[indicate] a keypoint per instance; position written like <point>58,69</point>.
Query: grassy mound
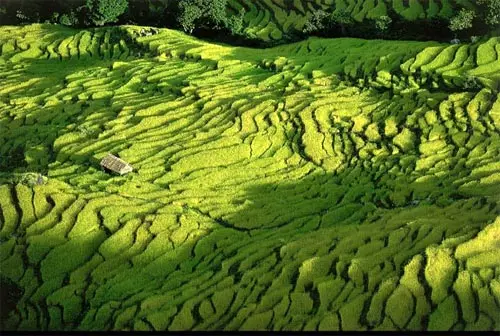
<point>324,185</point>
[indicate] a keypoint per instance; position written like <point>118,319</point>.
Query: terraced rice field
<point>271,19</point>
<point>324,185</point>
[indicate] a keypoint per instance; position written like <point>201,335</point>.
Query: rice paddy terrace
<point>323,185</point>
<point>272,19</point>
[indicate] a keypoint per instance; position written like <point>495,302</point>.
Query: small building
<point>40,180</point>
<point>115,164</point>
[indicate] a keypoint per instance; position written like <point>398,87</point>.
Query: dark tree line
<point>188,15</point>
<point>482,19</point>
<point>76,13</point>
<point>214,19</point>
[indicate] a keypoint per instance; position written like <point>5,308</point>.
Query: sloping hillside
<point>324,185</point>
<point>270,19</point>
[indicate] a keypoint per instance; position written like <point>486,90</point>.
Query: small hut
<point>115,164</point>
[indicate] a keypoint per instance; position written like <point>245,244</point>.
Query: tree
<point>342,18</point>
<point>382,23</point>
<point>315,22</point>
<point>216,12</point>
<point>235,22</point>
<point>492,10</point>
<point>104,11</point>
<point>190,13</point>
<point>70,19</point>
<point>209,14</point>
<point>463,20</point>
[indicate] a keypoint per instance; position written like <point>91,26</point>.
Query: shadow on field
<point>175,282</point>
<point>32,123</point>
<point>10,293</point>
<point>48,109</point>
<point>351,195</point>
<point>33,120</point>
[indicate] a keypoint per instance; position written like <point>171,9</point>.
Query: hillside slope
<point>270,19</point>
<point>324,185</point>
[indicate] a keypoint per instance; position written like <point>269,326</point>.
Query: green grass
<point>319,185</point>
<point>414,11</point>
<point>270,20</point>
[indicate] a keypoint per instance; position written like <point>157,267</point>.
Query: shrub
<point>144,13</point>
<point>405,140</point>
<point>190,13</point>
<point>350,312</point>
<point>183,320</point>
<point>463,288</point>
<point>439,272</point>
<point>54,18</point>
<point>22,17</point>
<point>194,12</point>
<point>67,19</point>
<point>463,20</point>
<point>342,18</point>
<point>103,11</point>
<point>492,10</point>
<point>400,306</point>
<point>235,22</point>
<point>315,22</point>
<point>445,315</point>
<point>472,83</point>
<point>208,15</point>
<point>383,23</point>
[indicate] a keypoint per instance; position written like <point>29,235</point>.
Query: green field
<point>330,184</point>
<point>270,19</point>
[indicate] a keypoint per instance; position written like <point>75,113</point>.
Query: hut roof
<point>116,164</point>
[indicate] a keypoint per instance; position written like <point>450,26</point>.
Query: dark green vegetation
<point>463,20</point>
<point>331,184</point>
<point>104,11</point>
<point>272,22</point>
